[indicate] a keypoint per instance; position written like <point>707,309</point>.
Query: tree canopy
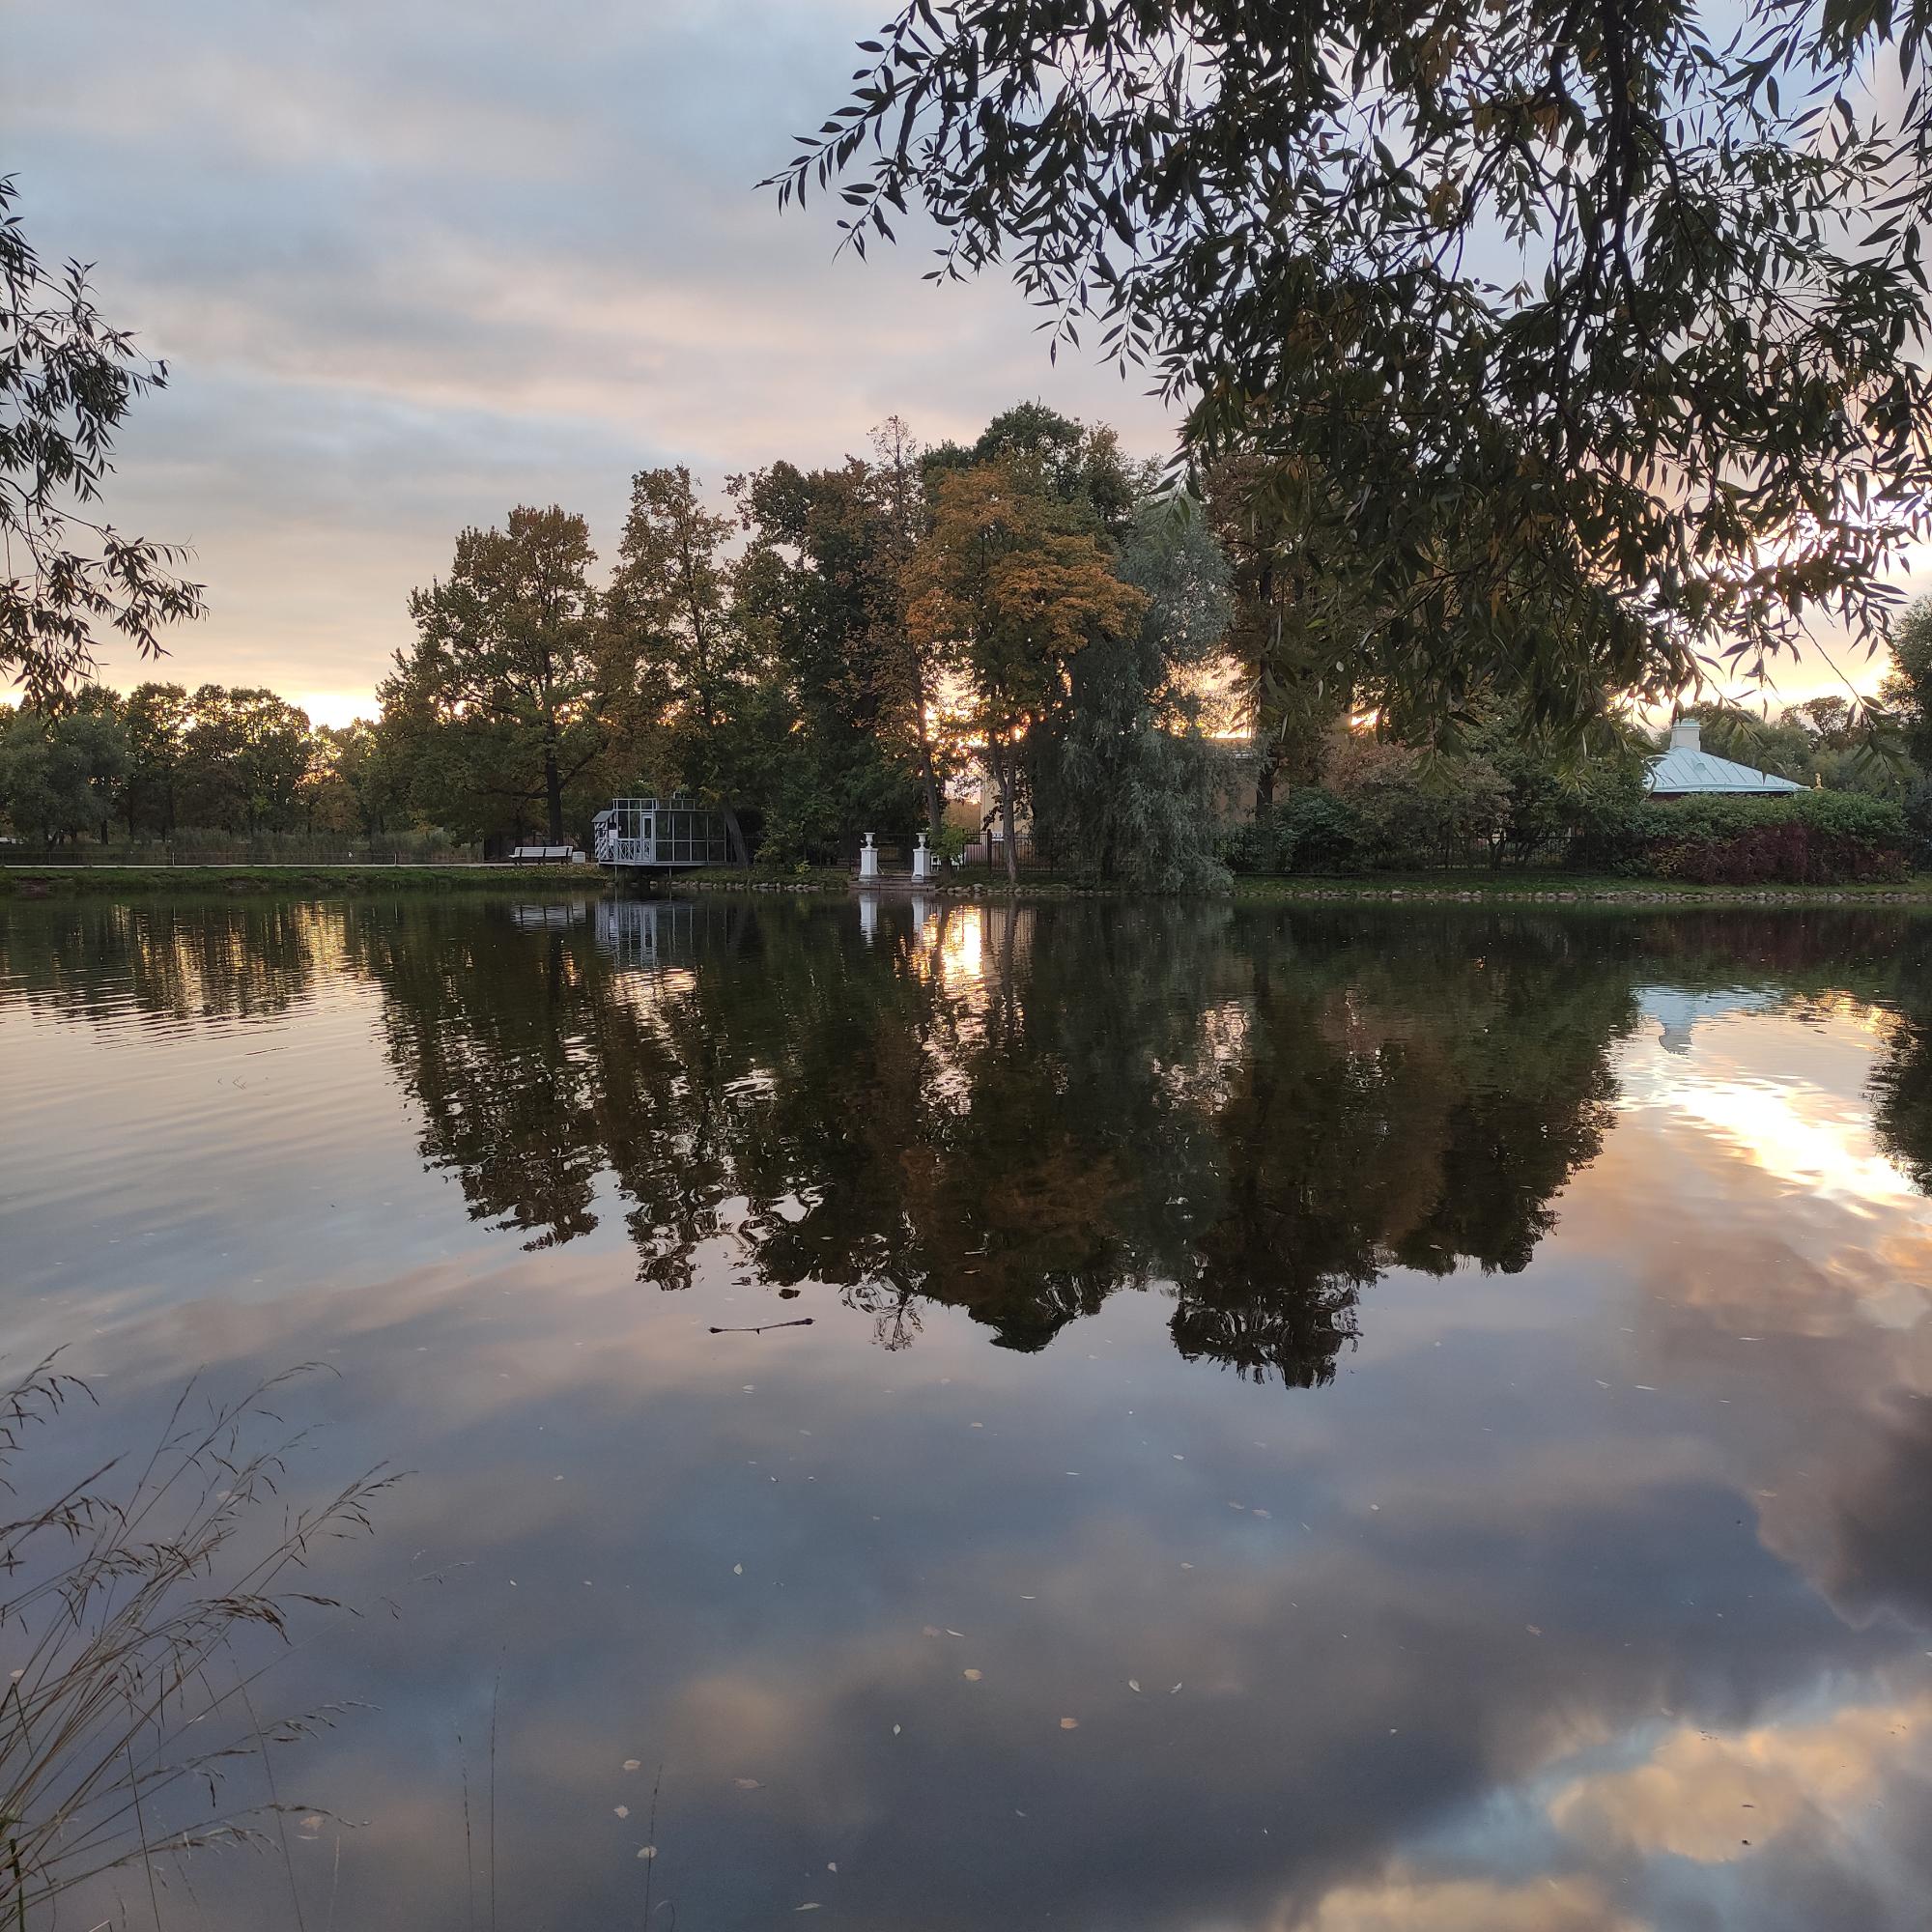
<point>504,655</point>
<point>1582,344</point>
<point>1011,574</point>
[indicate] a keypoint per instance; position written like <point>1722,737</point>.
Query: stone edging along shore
<point>1284,892</point>
<point>49,881</point>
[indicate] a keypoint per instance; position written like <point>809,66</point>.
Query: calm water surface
<point>1310,1423</point>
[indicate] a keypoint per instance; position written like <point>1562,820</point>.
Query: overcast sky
<point>412,264</point>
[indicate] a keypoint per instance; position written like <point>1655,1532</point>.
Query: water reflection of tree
<point>1018,1110</point>
<point>185,962</point>
<point>1902,1081</point>
<point>1014,1110</point>
<point>1409,1095</point>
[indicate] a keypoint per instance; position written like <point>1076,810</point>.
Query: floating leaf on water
<point>633,1764</point>
<point>746,1783</point>
<point>1175,1691</point>
<point>623,1810</point>
<point>812,1905</point>
<point>647,1851</point>
<point>928,1630</point>
<point>1134,1684</point>
<point>954,1633</point>
<point>737,1569</point>
<point>832,1868</point>
<point>896,1730</point>
<point>1069,1724</point>
<point>1532,1629</point>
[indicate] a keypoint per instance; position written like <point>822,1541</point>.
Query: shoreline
<point>43,882</point>
<point>34,882</point>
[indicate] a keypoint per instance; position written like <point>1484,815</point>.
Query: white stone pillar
<point>922,860</point>
<point>868,859</point>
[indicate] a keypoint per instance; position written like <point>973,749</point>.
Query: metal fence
<point>990,854</point>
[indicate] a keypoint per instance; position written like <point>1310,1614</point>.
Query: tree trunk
<point>1003,771</point>
<point>553,794</point>
<point>928,776</point>
<point>734,838</point>
<point>935,806</point>
<point>1270,757</point>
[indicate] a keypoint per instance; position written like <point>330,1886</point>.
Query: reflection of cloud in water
<point>1427,1619</point>
<point>1817,1142</point>
<point>1844,1235</point>
<point>1713,1796</point>
<point>1404,1903</point>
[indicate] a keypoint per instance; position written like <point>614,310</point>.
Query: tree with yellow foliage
<point>1011,584</point>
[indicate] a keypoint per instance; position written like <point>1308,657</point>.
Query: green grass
<point>47,881</point>
<point>1481,883</point>
<point>312,881</point>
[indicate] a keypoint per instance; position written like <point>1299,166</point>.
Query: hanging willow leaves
<point>1580,343</point>
<point>67,382</point>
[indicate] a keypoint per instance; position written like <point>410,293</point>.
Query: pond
<point>1310,1420</point>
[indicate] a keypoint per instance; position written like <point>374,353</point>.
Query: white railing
<point>613,850</point>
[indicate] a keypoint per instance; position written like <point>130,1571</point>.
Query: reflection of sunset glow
<point>1705,1796</point>
<point>1795,1135</point>
<point>949,945</point>
<point>959,938</point>
<point>644,992</point>
<point>1402,1904</point>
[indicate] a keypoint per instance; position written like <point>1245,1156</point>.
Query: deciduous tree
<point>673,626</point>
<point>59,771</point>
<point>1621,307</point>
<point>68,379</point>
<point>1013,578</point>
<point>1123,777</point>
<point>506,655</point>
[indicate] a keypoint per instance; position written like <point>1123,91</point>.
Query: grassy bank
<point>119,881</point>
<point>1559,887</point>
<point>1448,887</point>
<point>314,881</point>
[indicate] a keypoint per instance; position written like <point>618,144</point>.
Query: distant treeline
<point>165,761</point>
<point>1500,795</point>
<point>1031,621</point>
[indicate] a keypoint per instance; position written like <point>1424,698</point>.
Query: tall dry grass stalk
<point>127,1605</point>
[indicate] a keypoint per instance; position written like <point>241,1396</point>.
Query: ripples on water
<point>1439,1398</point>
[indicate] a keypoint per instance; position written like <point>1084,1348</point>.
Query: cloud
<point>1716,1797</point>
<point>1410,1904</point>
<point>413,265</point>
